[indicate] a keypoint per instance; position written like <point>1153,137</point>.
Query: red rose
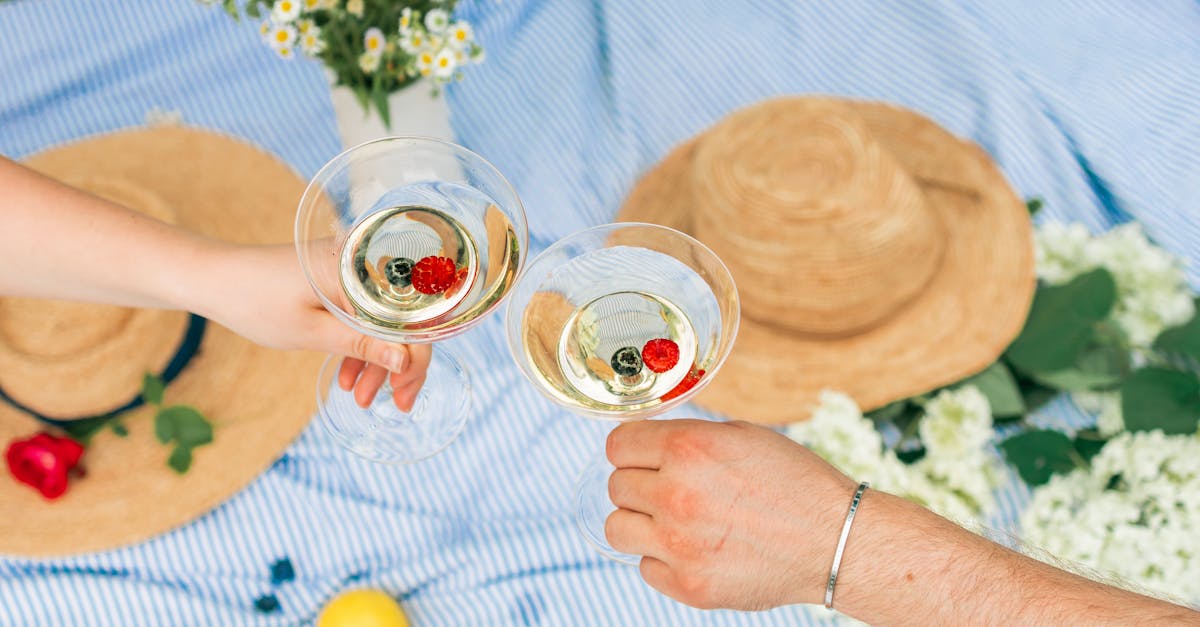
<point>44,461</point>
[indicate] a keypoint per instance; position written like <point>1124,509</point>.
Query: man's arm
<point>738,516</point>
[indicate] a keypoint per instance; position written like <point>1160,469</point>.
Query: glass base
<point>592,508</point>
<point>385,434</point>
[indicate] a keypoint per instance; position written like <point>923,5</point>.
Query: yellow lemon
<point>362,608</point>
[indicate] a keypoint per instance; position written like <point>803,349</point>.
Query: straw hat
<point>70,360</point>
<point>875,253</point>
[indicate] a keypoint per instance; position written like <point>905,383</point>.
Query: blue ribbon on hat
<point>188,347</point>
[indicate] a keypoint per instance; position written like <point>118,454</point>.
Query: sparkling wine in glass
<point>620,322</point>
<point>409,240</point>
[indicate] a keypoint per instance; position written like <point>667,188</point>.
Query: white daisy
<point>311,42</point>
<point>444,64</point>
<point>406,20</point>
<point>285,52</point>
<point>425,62</point>
<point>354,7</point>
<point>281,36</point>
<point>305,25</point>
<point>460,35</point>
<point>413,41</point>
<point>284,11</point>
<point>264,29</point>
<point>437,20</point>
<point>368,62</point>
<point>312,5</point>
<point>373,42</point>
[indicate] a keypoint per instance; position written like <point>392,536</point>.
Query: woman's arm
<point>62,243</point>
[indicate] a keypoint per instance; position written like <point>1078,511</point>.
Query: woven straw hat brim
<point>258,399</point>
<point>973,306</point>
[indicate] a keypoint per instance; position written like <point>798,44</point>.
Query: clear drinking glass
<point>585,306</point>
<point>409,240</point>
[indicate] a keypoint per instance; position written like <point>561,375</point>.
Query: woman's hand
<point>726,514</point>
<point>260,293</point>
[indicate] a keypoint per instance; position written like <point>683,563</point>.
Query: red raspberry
<point>660,355</point>
<point>688,382</point>
<point>432,275</point>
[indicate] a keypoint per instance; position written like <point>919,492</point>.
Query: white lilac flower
<point>957,423</point>
<point>284,11</point>
<point>444,63</point>
<point>1132,514</point>
<point>406,20</point>
<point>373,42</point>
<point>281,36</point>
<point>414,41</point>
<point>305,25</point>
<point>437,20</point>
<point>1152,289</point>
<point>355,7</point>
<point>460,36</point>
<point>311,42</point>
<point>1107,407</point>
<point>368,62</point>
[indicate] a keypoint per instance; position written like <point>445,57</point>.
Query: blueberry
<point>399,271</point>
<point>627,361</point>
<point>267,603</point>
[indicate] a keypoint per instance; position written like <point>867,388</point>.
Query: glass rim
<point>317,182</point>
<point>516,351</point>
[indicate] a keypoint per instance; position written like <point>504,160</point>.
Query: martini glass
<point>409,240</point>
<point>621,322</point>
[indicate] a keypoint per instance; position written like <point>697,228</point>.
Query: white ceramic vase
<point>413,110</point>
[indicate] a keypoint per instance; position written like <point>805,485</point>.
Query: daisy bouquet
<point>372,47</point>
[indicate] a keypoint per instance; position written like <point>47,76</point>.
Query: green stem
<point>1078,459</point>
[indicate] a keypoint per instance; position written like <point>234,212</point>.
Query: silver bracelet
<point>841,547</point>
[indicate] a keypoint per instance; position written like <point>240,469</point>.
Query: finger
<point>643,443</point>
<point>634,489</point>
<point>368,384</point>
<point>631,532</point>
<point>332,336</point>
<point>415,366</point>
<point>406,396</point>
<point>348,372</point>
<point>657,574</point>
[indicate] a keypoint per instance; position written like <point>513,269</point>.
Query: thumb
<point>334,337</point>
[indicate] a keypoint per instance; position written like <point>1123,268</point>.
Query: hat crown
<point>824,230</point>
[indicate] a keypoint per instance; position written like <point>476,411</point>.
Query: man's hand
<point>726,514</point>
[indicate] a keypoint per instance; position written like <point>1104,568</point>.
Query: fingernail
<point>393,359</point>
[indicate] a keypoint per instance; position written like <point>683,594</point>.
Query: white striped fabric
<point>575,100</point>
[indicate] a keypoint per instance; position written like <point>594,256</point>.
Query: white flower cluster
<point>439,44</point>
<point>288,26</point>
<point>956,476</point>
<point>1134,514</point>
<point>1152,289</point>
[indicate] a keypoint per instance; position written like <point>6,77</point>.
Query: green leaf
<point>164,428</point>
<point>1000,387</point>
<point>1099,367</point>
<point>118,428</point>
<point>188,426</point>
<point>363,97</point>
<point>1037,455</point>
<point>1088,442</point>
<point>1161,398</point>
<point>180,459</point>
<point>380,97</point>
<point>1182,339</point>
<point>82,430</point>
<point>1034,394</point>
<point>911,456</point>
<point>152,389</point>
<point>253,10</point>
<point>1034,205</point>
<point>231,8</point>
<point>888,412</point>
<point>1061,323</point>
